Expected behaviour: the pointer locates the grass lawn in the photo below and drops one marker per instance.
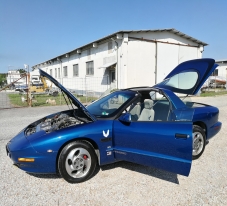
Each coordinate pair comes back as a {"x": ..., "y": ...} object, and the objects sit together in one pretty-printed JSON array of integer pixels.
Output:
[
  {"x": 40, "y": 100},
  {"x": 212, "y": 93}
]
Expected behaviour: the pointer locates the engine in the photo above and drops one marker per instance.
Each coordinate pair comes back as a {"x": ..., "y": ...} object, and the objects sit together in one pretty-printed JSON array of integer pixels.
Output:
[{"x": 56, "y": 122}]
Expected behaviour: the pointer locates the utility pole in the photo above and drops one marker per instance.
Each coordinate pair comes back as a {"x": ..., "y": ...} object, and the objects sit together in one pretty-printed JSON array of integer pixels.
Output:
[{"x": 29, "y": 99}]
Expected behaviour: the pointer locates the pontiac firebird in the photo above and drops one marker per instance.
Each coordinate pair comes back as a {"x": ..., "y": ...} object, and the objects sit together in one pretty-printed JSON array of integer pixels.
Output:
[{"x": 146, "y": 125}]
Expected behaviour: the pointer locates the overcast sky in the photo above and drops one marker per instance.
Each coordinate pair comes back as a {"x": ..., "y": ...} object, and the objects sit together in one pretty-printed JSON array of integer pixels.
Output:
[{"x": 32, "y": 31}]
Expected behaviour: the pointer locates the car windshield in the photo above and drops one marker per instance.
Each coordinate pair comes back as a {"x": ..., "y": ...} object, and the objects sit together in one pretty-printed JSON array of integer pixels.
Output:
[{"x": 109, "y": 105}]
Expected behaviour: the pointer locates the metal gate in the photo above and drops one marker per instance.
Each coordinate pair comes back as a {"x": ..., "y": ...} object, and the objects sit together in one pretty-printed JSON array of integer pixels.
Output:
[
  {"x": 85, "y": 89},
  {"x": 14, "y": 94}
]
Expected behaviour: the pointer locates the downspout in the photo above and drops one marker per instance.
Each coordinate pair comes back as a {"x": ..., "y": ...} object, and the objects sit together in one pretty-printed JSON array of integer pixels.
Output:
[
  {"x": 116, "y": 75},
  {"x": 61, "y": 80},
  {"x": 156, "y": 61}
]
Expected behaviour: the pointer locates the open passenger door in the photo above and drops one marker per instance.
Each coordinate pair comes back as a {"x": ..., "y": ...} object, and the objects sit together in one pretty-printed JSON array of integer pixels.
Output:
[{"x": 165, "y": 145}]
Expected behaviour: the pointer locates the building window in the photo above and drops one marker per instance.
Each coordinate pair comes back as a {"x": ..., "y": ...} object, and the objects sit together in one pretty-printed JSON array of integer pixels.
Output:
[
  {"x": 76, "y": 70},
  {"x": 90, "y": 68},
  {"x": 55, "y": 72},
  {"x": 65, "y": 71},
  {"x": 215, "y": 73},
  {"x": 50, "y": 72},
  {"x": 112, "y": 76},
  {"x": 58, "y": 72},
  {"x": 110, "y": 47}
]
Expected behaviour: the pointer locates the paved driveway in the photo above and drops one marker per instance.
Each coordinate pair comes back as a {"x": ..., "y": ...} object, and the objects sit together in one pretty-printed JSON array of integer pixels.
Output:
[{"x": 4, "y": 100}]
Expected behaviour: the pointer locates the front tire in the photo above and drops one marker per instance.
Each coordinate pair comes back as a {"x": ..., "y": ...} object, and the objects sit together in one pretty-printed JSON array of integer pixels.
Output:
[
  {"x": 77, "y": 162},
  {"x": 199, "y": 142}
]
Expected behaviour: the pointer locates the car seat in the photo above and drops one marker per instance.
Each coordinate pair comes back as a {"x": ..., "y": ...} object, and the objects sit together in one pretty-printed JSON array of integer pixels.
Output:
[
  {"x": 148, "y": 113},
  {"x": 135, "y": 110}
]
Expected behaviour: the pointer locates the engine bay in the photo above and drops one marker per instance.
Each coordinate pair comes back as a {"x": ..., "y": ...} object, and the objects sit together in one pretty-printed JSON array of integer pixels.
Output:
[{"x": 54, "y": 122}]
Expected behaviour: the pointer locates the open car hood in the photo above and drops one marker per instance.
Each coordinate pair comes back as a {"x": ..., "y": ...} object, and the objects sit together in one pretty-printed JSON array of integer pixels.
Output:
[
  {"x": 74, "y": 100},
  {"x": 188, "y": 77}
]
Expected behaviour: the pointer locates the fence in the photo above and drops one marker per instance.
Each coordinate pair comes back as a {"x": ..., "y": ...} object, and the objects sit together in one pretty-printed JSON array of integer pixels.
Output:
[
  {"x": 10, "y": 94},
  {"x": 85, "y": 89},
  {"x": 87, "y": 86}
]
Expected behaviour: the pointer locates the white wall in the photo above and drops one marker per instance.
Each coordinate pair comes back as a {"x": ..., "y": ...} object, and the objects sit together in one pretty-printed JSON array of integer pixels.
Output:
[
  {"x": 141, "y": 63},
  {"x": 187, "y": 53},
  {"x": 141, "y": 56},
  {"x": 169, "y": 56},
  {"x": 222, "y": 70},
  {"x": 98, "y": 82},
  {"x": 98, "y": 54},
  {"x": 167, "y": 59}
]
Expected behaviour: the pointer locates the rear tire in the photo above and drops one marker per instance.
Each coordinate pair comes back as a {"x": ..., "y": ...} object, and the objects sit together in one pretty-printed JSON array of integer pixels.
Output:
[
  {"x": 199, "y": 142},
  {"x": 77, "y": 162}
]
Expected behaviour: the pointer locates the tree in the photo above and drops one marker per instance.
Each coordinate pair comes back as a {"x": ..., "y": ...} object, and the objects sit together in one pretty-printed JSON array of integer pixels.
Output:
[
  {"x": 22, "y": 71},
  {"x": 3, "y": 80}
]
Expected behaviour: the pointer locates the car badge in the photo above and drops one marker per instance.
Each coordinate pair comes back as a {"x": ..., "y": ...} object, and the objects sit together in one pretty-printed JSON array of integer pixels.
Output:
[{"x": 106, "y": 134}]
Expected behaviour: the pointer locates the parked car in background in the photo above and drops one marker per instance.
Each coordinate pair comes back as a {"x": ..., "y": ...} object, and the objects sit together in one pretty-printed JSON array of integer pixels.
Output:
[
  {"x": 21, "y": 88},
  {"x": 146, "y": 125}
]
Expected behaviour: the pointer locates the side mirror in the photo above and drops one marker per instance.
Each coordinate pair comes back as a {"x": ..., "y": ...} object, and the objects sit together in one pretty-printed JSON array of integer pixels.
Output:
[{"x": 125, "y": 118}]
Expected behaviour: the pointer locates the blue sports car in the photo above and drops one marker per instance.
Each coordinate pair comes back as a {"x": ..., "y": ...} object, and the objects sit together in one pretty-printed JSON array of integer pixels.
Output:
[{"x": 146, "y": 125}]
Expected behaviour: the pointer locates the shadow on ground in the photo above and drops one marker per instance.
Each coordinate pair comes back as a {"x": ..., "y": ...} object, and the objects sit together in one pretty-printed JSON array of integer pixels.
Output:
[
  {"x": 150, "y": 171},
  {"x": 58, "y": 176},
  {"x": 45, "y": 176}
]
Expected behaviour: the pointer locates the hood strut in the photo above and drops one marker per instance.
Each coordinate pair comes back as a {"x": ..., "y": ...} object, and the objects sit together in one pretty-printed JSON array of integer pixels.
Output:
[{"x": 74, "y": 111}]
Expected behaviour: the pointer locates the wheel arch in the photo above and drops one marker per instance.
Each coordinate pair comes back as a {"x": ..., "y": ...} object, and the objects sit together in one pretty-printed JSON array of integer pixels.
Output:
[
  {"x": 202, "y": 125},
  {"x": 84, "y": 139}
]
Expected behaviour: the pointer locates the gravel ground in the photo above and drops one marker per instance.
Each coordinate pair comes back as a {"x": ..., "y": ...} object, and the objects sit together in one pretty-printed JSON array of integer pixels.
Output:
[{"x": 120, "y": 183}]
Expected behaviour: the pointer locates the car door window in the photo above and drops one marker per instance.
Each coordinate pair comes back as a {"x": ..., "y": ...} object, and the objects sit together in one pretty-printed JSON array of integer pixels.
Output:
[{"x": 156, "y": 108}]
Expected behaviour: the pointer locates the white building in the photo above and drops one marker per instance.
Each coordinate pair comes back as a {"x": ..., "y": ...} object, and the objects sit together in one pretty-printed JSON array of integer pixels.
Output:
[
  {"x": 35, "y": 77},
  {"x": 123, "y": 59},
  {"x": 14, "y": 76},
  {"x": 222, "y": 68}
]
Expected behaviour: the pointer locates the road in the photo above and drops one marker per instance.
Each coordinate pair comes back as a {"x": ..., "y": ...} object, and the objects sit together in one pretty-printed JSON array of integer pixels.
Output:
[{"x": 4, "y": 100}]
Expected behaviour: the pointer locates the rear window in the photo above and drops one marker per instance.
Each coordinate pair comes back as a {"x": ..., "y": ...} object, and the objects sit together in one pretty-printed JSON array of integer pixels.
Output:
[{"x": 185, "y": 80}]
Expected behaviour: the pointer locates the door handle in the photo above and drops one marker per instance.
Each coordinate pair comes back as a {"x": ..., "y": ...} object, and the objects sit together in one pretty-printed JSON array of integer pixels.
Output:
[{"x": 181, "y": 136}]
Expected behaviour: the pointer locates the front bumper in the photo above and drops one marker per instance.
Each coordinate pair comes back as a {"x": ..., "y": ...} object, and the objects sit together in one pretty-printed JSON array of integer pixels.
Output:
[{"x": 20, "y": 147}]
